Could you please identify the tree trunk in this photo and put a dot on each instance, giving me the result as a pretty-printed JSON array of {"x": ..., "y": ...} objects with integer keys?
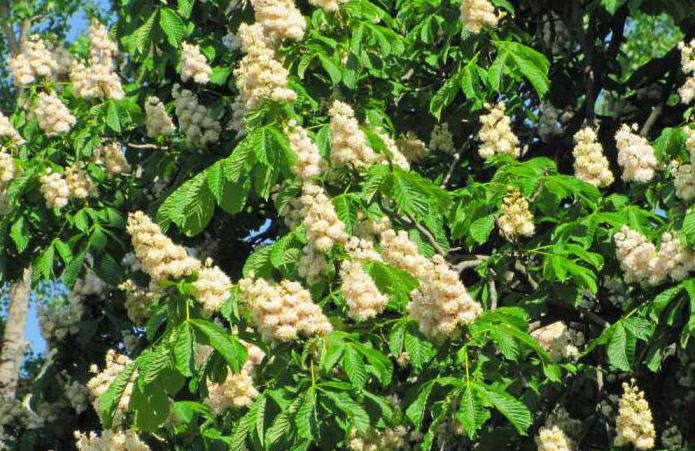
[{"x": 13, "y": 341}]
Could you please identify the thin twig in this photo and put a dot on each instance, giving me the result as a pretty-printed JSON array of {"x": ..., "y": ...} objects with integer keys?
[
  {"x": 147, "y": 146},
  {"x": 595, "y": 318},
  {"x": 454, "y": 164},
  {"x": 521, "y": 268},
  {"x": 651, "y": 120},
  {"x": 472, "y": 263},
  {"x": 492, "y": 289},
  {"x": 427, "y": 234}
]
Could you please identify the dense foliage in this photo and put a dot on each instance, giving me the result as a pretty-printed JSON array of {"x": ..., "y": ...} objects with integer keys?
[{"x": 362, "y": 224}]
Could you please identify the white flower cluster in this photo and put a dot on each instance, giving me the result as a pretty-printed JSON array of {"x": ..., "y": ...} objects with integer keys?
[
  {"x": 60, "y": 318},
  {"x": 396, "y": 158},
  {"x": 552, "y": 438},
  {"x": 478, "y": 14},
  {"x": 671, "y": 438},
  {"x": 441, "y": 303},
  {"x": 280, "y": 20},
  {"x": 260, "y": 75},
  {"x": 363, "y": 298},
  {"x": 88, "y": 285},
  {"x": 32, "y": 62},
  {"x": 683, "y": 180},
  {"x": 112, "y": 158},
  {"x": 327, "y": 5},
  {"x": 635, "y": 155},
  {"x": 412, "y": 147},
  {"x": 442, "y": 139},
  {"x": 590, "y": 164},
  {"x": 689, "y": 143},
  {"x": 53, "y": 116},
  {"x": 549, "y": 124},
  {"x": 323, "y": 227},
  {"x": 496, "y": 133},
  {"x": 211, "y": 289},
  {"x": 110, "y": 441},
  {"x": 115, "y": 363},
  {"x": 634, "y": 425},
  {"x": 193, "y": 64},
  {"x": 7, "y": 168},
  {"x": 161, "y": 259},
  {"x": 282, "y": 312},
  {"x": 55, "y": 190},
  {"x": 8, "y": 131},
  {"x": 63, "y": 58},
  {"x": 194, "y": 119},
  {"x": 641, "y": 262},
  {"x": 77, "y": 395},
  {"x": 559, "y": 341},
  {"x": 157, "y": 119},
  {"x": 99, "y": 77},
  {"x": 389, "y": 439},
  {"x": 312, "y": 264},
  {"x": 348, "y": 144},
  {"x": 516, "y": 218},
  {"x": 137, "y": 301},
  {"x": 238, "y": 389},
  {"x": 309, "y": 162},
  {"x": 79, "y": 183},
  {"x": 687, "y": 91}
]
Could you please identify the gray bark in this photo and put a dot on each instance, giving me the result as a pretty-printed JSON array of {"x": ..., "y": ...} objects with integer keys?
[{"x": 13, "y": 341}]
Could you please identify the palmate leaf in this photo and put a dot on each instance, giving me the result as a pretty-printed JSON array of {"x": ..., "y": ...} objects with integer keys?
[
  {"x": 353, "y": 364},
  {"x": 172, "y": 26},
  {"x": 305, "y": 418},
  {"x": 514, "y": 410},
  {"x": 190, "y": 207}
]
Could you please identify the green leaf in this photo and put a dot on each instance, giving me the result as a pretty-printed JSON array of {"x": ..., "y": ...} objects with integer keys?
[
  {"x": 416, "y": 410},
  {"x": 445, "y": 95},
  {"x": 19, "y": 232},
  {"x": 532, "y": 64},
  {"x": 112, "y": 118},
  {"x": 183, "y": 349},
  {"x": 352, "y": 409},
  {"x": 331, "y": 68},
  {"x": 109, "y": 400},
  {"x": 618, "y": 353},
  {"x": 108, "y": 269},
  {"x": 231, "y": 349},
  {"x": 305, "y": 418},
  {"x": 612, "y": 5},
  {"x": 469, "y": 409},
  {"x": 172, "y": 26},
  {"x": 143, "y": 35},
  {"x": 354, "y": 367},
  {"x": 514, "y": 410},
  {"x": 190, "y": 207},
  {"x": 481, "y": 228},
  {"x": 259, "y": 263}
]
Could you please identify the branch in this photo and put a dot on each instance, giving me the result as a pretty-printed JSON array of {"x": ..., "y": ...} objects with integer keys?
[
  {"x": 454, "y": 163},
  {"x": 472, "y": 263},
  {"x": 521, "y": 268},
  {"x": 407, "y": 218},
  {"x": 651, "y": 120},
  {"x": 147, "y": 146},
  {"x": 492, "y": 289}
]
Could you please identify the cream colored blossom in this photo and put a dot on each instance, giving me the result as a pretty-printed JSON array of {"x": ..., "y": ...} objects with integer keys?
[
  {"x": 362, "y": 249},
  {"x": 7, "y": 168},
  {"x": 673, "y": 259},
  {"x": 280, "y": 20},
  {"x": 348, "y": 143},
  {"x": 553, "y": 439},
  {"x": 323, "y": 227},
  {"x": 63, "y": 58},
  {"x": 55, "y": 190},
  {"x": 635, "y": 155},
  {"x": 412, "y": 147},
  {"x": 396, "y": 157},
  {"x": 115, "y": 363},
  {"x": 478, "y": 14},
  {"x": 34, "y": 61},
  {"x": 237, "y": 390},
  {"x": 60, "y": 318},
  {"x": 260, "y": 76},
  {"x": 516, "y": 218},
  {"x": 389, "y": 439},
  {"x": 211, "y": 289},
  {"x": 549, "y": 124},
  {"x": 79, "y": 183},
  {"x": 110, "y": 441},
  {"x": 690, "y": 142},
  {"x": 687, "y": 91},
  {"x": 683, "y": 180},
  {"x": 496, "y": 133},
  {"x": 635, "y": 254},
  {"x": 309, "y": 162},
  {"x": 137, "y": 301},
  {"x": 53, "y": 116},
  {"x": 160, "y": 257},
  {"x": 96, "y": 80},
  {"x": 193, "y": 64},
  {"x": 634, "y": 425},
  {"x": 590, "y": 164},
  {"x": 101, "y": 47},
  {"x": 559, "y": 341},
  {"x": 8, "y": 131},
  {"x": 111, "y": 156},
  {"x": 282, "y": 312},
  {"x": 442, "y": 139},
  {"x": 312, "y": 264},
  {"x": 399, "y": 251},
  {"x": 327, "y": 5},
  {"x": 194, "y": 119},
  {"x": 157, "y": 119},
  {"x": 364, "y": 300}
]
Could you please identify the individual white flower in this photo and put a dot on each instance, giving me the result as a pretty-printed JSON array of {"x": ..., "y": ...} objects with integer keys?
[
  {"x": 282, "y": 312},
  {"x": 496, "y": 133},
  {"x": 634, "y": 425},
  {"x": 309, "y": 163},
  {"x": 53, "y": 116},
  {"x": 478, "y": 14},
  {"x": 193, "y": 64},
  {"x": 442, "y": 139},
  {"x": 7, "y": 168},
  {"x": 635, "y": 155},
  {"x": 348, "y": 143},
  {"x": 157, "y": 119},
  {"x": 559, "y": 341},
  {"x": 110, "y": 441},
  {"x": 195, "y": 121},
  {"x": 673, "y": 259},
  {"x": 211, "y": 289},
  {"x": 160, "y": 257},
  {"x": 635, "y": 254},
  {"x": 323, "y": 227},
  {"x": 111, "y": 156},
  {"x": 590, "y": 164},
  {"x": 516, "y": 218},
  {"x": 364, "y": 300},
  {"x": 32, "y": 62},
  {"x": 55, "y": 190},
  {"x": 412, "y": 147}
]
